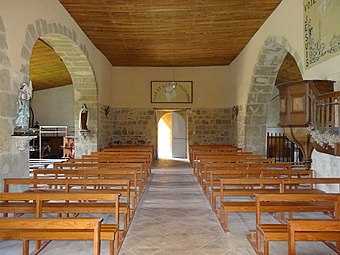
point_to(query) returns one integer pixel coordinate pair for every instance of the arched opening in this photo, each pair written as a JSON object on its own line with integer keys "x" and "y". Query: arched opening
{"x": 265, "y": 74}
{"x": 52, "y": 105}
{"x": 85, "y": 89}
{"x": 278, "y": 145}
{"x": 62, "y": 41}
{"x": 172, "y": 135}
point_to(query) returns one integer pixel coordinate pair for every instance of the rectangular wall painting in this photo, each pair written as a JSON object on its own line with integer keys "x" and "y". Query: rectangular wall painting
{"x": 171, "y": 92}
{"x": 321, "y": 30}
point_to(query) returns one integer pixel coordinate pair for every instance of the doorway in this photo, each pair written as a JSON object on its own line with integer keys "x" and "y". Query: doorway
{"x": 171, "y": 134}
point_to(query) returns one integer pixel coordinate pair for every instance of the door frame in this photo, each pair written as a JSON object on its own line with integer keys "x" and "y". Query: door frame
{"x": 159, "y": 113}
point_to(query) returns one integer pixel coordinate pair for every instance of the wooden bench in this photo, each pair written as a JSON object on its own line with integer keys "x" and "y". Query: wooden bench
{"x": 193, "y": 149}
{"x": 142, "y": 172}
{"x": 313, "y": 230}
{"x": 74, "y": 186}
{"x": 122, "y": 156}
{"x": 133, "y": 148}
{"x": 211, "y": 167}
{"x": 212, "y": 175}
{"x": 200, "y": 157}
{"x": 128, "y": 169}
{"x": 229, "y": 157}
{"x": 124, "y": 183}
{"x": 247, "y": 187}
{"x": 213, "y": 187}
{"x": 66, "y": 203}
{"x": 289, "y": 203}
{"x": 26, "y": 229}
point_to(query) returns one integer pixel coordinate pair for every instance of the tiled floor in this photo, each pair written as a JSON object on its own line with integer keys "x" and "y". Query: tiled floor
{"x": 174, "y": 217}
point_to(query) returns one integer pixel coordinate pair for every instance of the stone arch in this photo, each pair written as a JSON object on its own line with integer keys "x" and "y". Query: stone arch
{"x": 270, "y": 58}
{"x": 75, "y": 58}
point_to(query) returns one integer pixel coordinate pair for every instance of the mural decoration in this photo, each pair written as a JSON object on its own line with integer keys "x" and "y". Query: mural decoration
{"x": 171, "y": 92}
{"x": 322, "y": 30}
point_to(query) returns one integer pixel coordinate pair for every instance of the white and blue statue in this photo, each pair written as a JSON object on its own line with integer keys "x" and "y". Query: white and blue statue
{"x": 23, "y": 107}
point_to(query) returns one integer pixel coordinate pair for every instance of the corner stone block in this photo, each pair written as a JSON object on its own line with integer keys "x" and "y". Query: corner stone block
{"x": 32, "y": 32}
{"x": 5, "y": 135}
{"x": 255, "y": 109}
{"x": 4, "y": 80}
{"x": 2, "y": 27}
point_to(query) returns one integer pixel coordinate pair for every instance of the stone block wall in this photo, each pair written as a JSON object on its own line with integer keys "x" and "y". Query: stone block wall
{"x": 132, "y": 126}
{"x": 238, "y": 124}
{"x": 105, "y": 128}
{"x": 210, "y": 126}
{"x": 13, "y": 163}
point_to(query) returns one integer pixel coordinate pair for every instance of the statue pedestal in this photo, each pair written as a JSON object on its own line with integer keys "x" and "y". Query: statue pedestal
{"x": 21, "y": 141}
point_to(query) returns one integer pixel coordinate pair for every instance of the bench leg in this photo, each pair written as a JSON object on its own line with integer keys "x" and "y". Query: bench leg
{"x": 265, "y": 246}
{"x": 37, "y": 245}
{"x": 225, "y": 219}
{"x": 116, "y": 245}
{"x": 291, "y": 242}
{"x": 258, "y": 242}
{"x": 213, "y": 202}
{"x": 125, "y": 222}
{"x": 25, "y": 247}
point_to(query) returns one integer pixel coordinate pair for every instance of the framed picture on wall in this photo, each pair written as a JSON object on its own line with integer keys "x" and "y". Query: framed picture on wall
{"x": 171, "y": 92}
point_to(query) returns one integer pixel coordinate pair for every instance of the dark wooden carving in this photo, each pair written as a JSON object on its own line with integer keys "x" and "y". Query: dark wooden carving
{"x": 295, "y": 111}
{"x": 295, "y": 101}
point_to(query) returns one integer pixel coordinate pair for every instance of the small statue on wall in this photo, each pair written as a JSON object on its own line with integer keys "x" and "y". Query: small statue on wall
{"x": 83, "y": 118}
{"x": 22, "y": 111}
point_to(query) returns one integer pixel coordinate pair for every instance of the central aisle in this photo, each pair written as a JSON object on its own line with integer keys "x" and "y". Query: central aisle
{"x": 174, "y": 217}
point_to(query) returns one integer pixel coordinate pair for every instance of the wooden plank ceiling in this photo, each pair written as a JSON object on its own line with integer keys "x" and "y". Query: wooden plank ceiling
{"x": 170, "y": 32}
{"x": 161, "y": 33}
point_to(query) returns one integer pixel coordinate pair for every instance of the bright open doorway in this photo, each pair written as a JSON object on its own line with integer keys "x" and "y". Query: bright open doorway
{"x": 172, "y": 136}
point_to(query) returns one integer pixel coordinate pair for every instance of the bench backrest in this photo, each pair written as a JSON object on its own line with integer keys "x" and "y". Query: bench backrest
{"x": 38, "y": 199}
{"x": 47, "y": 229}
{"x": 260, "y": 198}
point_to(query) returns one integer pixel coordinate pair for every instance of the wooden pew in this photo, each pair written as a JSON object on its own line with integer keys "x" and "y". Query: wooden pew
{"x": 136, "y": 186}
{"x": 213, "y": 147}
{"x": 74, "y": 187}
{"x": 120, "y": 157}
{"x": 227, "y": 157}
{"x": 208, "y": 168}
{"x": 247, "y": 187}
{"x": 26, "y": 229}
{"x": 313, "y": 230}
{"x": 97, "y": 163}
{"x": 127, "y": 168}
{"x": 67, "y": 203}
{"x": 245, "y": 169}
{"x": 133, "y": 148}
{"x": 289, "y": 203}
{"x": 213, "y": 187}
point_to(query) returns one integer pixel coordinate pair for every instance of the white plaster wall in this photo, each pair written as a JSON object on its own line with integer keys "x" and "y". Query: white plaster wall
{"x": 54, "y": 106}
{"x": 326, "y": 165}
{"x": 131, "y": 87}
{"x": 286, "y": 21}
{"x": 18, "y": 14}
